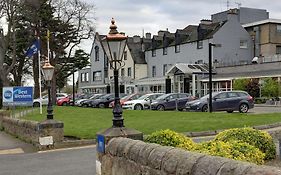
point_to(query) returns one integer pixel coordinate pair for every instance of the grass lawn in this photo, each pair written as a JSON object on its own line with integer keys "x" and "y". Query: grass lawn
{"x": 85, "y": 122}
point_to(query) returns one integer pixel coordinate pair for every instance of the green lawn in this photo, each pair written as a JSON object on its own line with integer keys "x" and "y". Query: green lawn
{"x": 85, "y": 122}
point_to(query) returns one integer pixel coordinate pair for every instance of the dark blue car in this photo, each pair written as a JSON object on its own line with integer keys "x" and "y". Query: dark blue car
{"x": 171, "y": 101}
{"x": 223, "y": 101}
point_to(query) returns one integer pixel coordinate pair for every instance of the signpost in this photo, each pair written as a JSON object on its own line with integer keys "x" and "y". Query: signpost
{"x": 17, "y": 96}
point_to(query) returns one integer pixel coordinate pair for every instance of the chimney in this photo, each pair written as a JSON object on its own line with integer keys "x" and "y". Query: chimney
{"x": 136, "y": 38}
{"x": 148, "y": 35}
{"x": 232, "y": 14}
{"x": 206, "y": 21}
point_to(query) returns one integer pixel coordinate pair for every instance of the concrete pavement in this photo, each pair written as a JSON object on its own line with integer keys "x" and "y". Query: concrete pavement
{"x": 12, "y": 145}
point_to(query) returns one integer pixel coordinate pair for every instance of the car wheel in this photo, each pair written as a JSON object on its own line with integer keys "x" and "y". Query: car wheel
{"x": 36, "y": 104}
{"x": 138, "y": 107}
{"x": 101, "y": 105}
{"x": 84, "y": 105}
{"x": 243, "y": 108}
{"x": 205, "y": 108}
{"x": 160, "y": 108}
{"x": 230, "y": 111}
{"x": 64, "y": 104}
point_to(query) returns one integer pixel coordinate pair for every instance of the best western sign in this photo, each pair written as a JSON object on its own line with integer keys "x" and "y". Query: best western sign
{"x": 17, "y": 96}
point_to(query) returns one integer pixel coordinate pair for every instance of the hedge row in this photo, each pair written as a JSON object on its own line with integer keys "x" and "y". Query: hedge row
{"x": 245, "y": 144}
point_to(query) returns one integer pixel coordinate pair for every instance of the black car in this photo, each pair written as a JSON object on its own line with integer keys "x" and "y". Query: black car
{"x": 223, "y": 101}
{"x": 171, "y": 101}
{"x": 104, "y": 101}
{"x": 88, "y": 102}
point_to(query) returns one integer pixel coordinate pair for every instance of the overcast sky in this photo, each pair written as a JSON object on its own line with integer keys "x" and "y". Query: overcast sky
{"x": 134, "y": 16}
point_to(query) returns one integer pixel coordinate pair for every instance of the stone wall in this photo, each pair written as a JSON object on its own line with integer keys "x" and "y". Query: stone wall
{"x": 124, "y": 156}
{"x": 31, "y": 131}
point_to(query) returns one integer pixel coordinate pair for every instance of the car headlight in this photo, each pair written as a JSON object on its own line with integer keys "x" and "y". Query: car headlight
{"x": 196, "y": 104}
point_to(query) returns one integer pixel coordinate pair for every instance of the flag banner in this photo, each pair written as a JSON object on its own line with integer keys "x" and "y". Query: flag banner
{"x": 33, "y": 49}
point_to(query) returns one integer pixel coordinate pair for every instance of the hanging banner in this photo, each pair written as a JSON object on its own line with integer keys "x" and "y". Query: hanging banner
{"x": 17, "y": 96}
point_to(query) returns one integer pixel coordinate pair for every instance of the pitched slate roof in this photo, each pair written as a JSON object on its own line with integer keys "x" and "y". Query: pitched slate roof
{"x": 136, "y": 51}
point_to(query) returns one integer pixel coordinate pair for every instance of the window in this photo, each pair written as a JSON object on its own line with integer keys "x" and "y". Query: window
{"x": 232, "y": 94}
{"x": 177, "y": 48}
{"x": 243, "y": 44}
{"x": 278, "y": 28}
{"x": 125, "y": 55}
{"x": 86, "y": 76}
{"x": 278, "y": 49}
{"x": 105, "y": 61}
{"x": 122, "y": 72}
{"x": 153, "y": 71}
{"x": 97, "y": 76}
{"x": 199, "y": 44}
{"x": 221, "y": 96}
{"x": 129, "y": 72}
{"x": 82, "y": 77}
{"x": 165, "y": 50}
{"x": 164, "y": 69}
{"x": 96, "y": 53}
{"x": 153, "y": 52}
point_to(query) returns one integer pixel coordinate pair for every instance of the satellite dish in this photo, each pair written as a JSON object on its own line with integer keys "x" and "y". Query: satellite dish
{"x": 255, "y": 60}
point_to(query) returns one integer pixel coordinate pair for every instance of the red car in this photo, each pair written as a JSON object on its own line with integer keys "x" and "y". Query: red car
{"x": 126, "y": 98}
{"x": 63, "y": 101}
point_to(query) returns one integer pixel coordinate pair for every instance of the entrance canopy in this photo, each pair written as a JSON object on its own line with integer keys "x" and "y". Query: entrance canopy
{"x": 183, "y": 68}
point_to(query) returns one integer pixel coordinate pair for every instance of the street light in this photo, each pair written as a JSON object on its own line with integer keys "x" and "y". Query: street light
{"x": 114, "y": 45}
{"x": 210, "y": 75}
{"x": 48, "y": 71}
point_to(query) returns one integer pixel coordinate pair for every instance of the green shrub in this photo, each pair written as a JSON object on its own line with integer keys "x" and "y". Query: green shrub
{"x": 170, "y": 138}
{"x": 259, "y": 139}
{"x": 233, "y": 150}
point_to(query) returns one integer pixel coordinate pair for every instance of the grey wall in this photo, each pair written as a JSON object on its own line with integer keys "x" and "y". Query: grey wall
{"x": 245, "y": 15}
{"x": 188, "y": 54}
{"x": 129, "y": 157}
{"x": 229, "y": 36}
{"x": 97, "y": 65}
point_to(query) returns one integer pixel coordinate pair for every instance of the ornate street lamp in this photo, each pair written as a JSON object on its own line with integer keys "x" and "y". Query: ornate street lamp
{"x": 48, "y": 71}
{"x": 114, "y": 45}
{"x": 210, "y": 75}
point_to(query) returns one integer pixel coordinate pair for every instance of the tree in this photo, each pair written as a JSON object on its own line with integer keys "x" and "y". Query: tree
{"x": 270, "y": 88}
{"x": 253, "y": 87}
{"x": 240, "y": 84}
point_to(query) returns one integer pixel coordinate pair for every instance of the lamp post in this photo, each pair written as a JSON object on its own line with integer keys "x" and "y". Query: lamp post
{"x": 114, "y": 45}
{"x": 48, "y": 71}
{"x": 210, "y": 75}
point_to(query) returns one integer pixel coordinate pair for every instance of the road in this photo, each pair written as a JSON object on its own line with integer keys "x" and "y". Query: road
{"x": 258, "y": 109}
{"x": 76, "y": 161}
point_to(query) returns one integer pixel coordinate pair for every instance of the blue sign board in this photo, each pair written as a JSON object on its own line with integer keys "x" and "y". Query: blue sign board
{"x": 101, "y": 143}
{"x": 17, "y": 96}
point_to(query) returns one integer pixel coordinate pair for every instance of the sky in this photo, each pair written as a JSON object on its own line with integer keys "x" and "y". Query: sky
{"x": 135, "y": 16}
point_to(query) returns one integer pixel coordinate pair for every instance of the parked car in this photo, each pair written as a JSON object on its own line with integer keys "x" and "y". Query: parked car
{"x": 85, "y": 100}
{"x": 171, "y": 101}
{"x": 36, "y": 102}
{"x": 224, "y": 101}
{"x": 104, "y": 101}
{"x": 88, "y": 102}
{"x": 126, "y": 98}
{"x": 141, "y": 103}
{"x": 63, "y": 101}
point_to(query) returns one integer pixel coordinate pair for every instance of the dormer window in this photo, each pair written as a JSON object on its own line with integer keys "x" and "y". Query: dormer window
{"x": 177, "y": 48}
{"x": 153, "y": 53}
{"x": 165, "y": 50}
{"x": 96, "y": 53}
{"x": 199, "y": 44}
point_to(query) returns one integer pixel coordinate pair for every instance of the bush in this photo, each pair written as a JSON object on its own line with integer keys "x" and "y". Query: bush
{"x": 259, "y": 139}
{"x": 170, "y": 138}
{"x": 233, "y": 150}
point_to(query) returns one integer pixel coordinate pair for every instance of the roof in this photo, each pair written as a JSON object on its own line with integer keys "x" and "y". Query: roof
{"x": 278, "y": 21}
{"x": 183, "y": 68}
{"x": 136, "y": 51}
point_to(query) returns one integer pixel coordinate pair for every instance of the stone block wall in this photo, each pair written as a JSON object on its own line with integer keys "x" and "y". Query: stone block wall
{"x": 31, "y": 131}
{"x": 124, "y": 156}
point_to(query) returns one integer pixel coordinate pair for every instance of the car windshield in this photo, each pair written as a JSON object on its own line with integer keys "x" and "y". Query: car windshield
{"x": 163, "y": 97}
{"x": 125, "y": 97}
{"x": 207, "y": 96}
{"x": 144, "y": 97}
